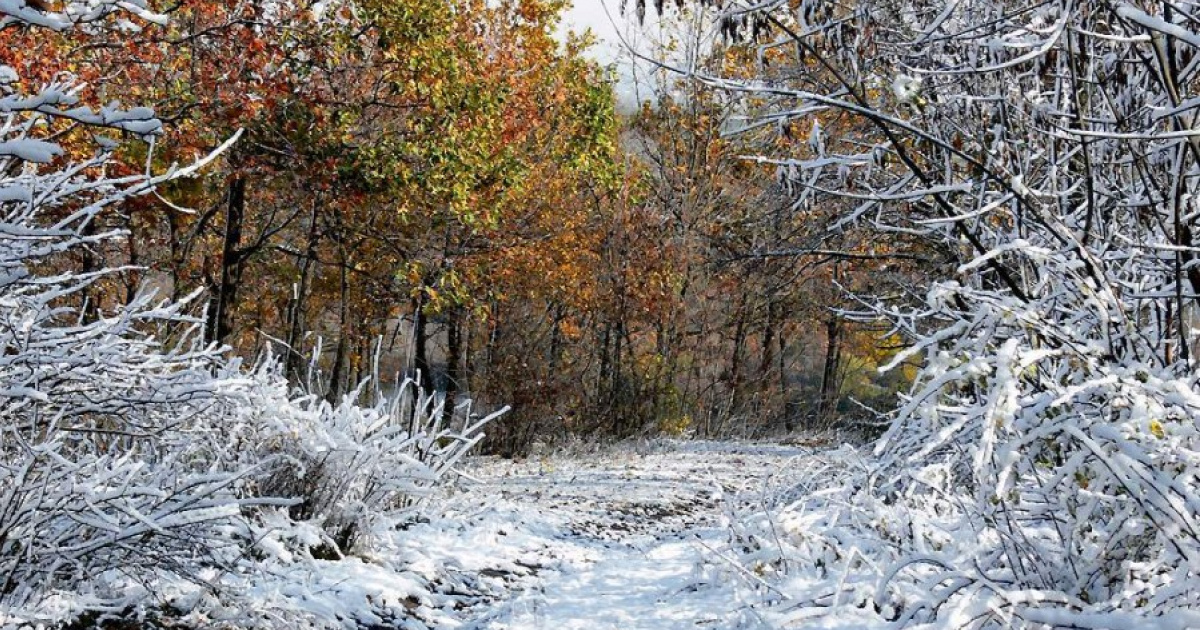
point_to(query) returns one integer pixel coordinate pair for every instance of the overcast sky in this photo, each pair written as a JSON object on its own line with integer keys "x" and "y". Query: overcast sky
{"x": 591, "y": 14}
{"x": 606, "y": 24}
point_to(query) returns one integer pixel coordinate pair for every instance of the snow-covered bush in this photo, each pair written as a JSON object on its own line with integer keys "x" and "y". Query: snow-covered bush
{"x": 133, "y": 455}
{"x": 353, "y": 467}
{"x": 112, "y": 448}
{"x": 1042, "y": 471}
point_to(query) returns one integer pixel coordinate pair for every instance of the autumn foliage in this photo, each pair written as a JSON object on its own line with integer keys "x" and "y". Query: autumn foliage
{"x": 448, "y": 187}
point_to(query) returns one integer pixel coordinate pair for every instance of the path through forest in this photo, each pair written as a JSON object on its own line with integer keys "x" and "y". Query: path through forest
{"x": 624, "y": 539}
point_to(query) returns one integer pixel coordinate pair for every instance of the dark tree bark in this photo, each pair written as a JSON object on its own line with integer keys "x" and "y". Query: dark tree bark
{"x": 420, "y": 338}
{"x": 604, "y": 379}
{"x": 90, "y": 263}
{"x": 453, "y": 359}
{"x": 829, "y": 374}
{"x": 556, "y": 317}
{"x": 221, "y": 305}
{"x": 789, "y": 418}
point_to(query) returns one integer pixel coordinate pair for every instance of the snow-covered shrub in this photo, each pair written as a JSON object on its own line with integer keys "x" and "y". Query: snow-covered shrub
{"x": 134, "y": 457}
{"x": 112, "y": 441}
{"x": 1042, "y": 471}
{"x": 349, "y": 464}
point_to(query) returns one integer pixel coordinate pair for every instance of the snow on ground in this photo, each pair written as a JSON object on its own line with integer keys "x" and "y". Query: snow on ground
{"x": 624, "y": 538}
{"x": 636, "y": 537}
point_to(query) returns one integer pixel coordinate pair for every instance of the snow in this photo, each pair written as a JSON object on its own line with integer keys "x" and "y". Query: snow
{"x": 631, "y": 536}
{"x": 36, "y": 151}
{"x": 659, "y": 587}
{"x": 906, "y": 88}
{"x": 1159, "y": 25}
{"x": 625, "y": 538}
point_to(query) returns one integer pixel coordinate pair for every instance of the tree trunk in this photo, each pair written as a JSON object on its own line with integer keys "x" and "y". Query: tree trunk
{"x": 735, "y": 357}
{"x": 295, "y": 316}
{"x": 133, "y": 277}
{"x": 603, "y": 372}
{"x": 424, "y": 375}
{"x": 358, "y": 356}
{"x": 618, "y": 383}
{"x": 89, "y": 265}
{"x": 175, "y": 232}
{"x": 220, "y": 323}
{"x": 453, "y": 358}
{"x": 770, "y": 327}
{"x": 789, "y": 418}
{"x": 829, "y": 374}
{"x": 468, "y": 366}
{"x": 556, "y": 317}
{"x": 344, "y": 338}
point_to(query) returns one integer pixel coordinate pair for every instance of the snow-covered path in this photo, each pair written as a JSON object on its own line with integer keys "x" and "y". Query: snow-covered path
{"x": 628, "y": 589}
{"x": 623, "y": 539}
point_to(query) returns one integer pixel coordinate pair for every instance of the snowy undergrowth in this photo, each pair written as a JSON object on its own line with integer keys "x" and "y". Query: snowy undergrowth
{"x": 301, "y": 525}
{"x": 1074, "y": 508}
{"x": 146, "y": 475}
{"x": 1042, "y": 470}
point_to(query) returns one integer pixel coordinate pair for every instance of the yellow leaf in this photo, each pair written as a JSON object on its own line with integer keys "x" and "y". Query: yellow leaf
{"x": 1156, "y": 428}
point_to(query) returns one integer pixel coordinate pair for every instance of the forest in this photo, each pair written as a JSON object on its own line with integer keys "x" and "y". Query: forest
{"x": 456, "y": 185}
{"x": 377, "y": 314}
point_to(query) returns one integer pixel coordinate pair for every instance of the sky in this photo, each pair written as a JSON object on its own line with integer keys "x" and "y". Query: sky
{"x": 598, "y": 15}
{"x": 603, "y": 17}
{"x": 635, "y": 82}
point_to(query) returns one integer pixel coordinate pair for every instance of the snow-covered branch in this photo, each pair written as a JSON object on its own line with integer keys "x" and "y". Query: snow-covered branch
{"x": 1043, "y": 468}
